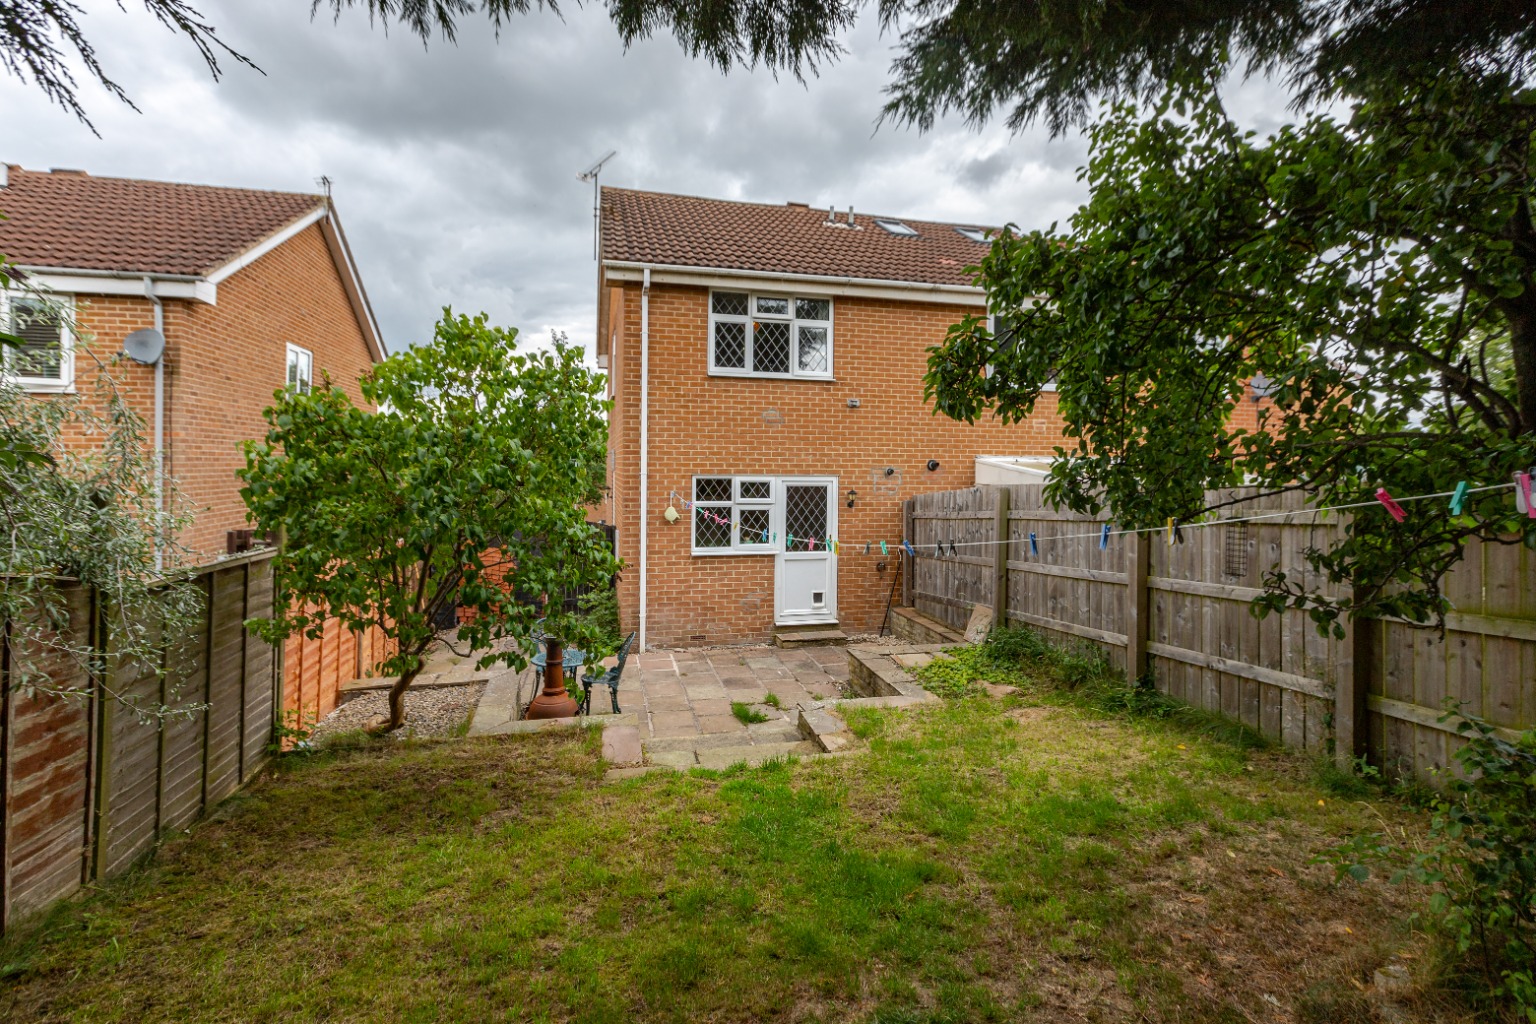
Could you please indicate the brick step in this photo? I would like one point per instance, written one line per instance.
(818, 637)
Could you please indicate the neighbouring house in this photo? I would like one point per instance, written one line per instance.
(766, 368)
(252, 291)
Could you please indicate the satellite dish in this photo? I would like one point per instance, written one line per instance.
(144, 346)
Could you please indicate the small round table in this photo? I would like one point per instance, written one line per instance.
(573, 659)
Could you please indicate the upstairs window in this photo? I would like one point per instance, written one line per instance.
(301, 369)
(45, 360)
(1005, 333)
(754, 335)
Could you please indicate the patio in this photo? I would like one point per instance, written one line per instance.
(676, 705)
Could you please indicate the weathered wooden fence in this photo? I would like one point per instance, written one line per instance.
(1181, 611)
(89, 786)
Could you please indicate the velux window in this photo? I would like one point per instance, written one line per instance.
(732, 515)
(769, 335)
(44, 361)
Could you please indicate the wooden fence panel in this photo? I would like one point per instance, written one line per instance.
(947, 585)
(1486, 660)
(181, 771)
(1188, 604)
(45, 760)
(1069, 588)
(225, 684)
(90, 786)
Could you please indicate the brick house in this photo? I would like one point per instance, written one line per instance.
(252, 290)
(766, 367)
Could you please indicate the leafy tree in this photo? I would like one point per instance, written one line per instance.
(1050, 57)
(1365, 267)
(80, 513)
(467, 485)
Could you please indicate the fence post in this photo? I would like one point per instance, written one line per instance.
(1350, 687)
(1137, 567)
(906, 560)
(1000, 529)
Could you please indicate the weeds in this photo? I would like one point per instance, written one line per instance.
(1481, 857)
(746, 714)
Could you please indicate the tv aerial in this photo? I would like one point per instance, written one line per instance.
(591, 174)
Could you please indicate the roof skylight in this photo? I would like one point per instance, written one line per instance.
(975, 234)
(896, 227)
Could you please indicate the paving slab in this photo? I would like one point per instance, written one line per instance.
(674, 758)
(720, 723)
(673, 723)
(621, 745)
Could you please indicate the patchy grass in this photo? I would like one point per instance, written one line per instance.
(746, 714)
(772, 700)
(1032, 858)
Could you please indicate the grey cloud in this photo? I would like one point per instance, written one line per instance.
(454, 166)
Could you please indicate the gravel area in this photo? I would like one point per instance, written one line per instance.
(428, 713)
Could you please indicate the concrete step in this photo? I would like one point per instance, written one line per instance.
(819, 637)
(721, 757)
(826, 730)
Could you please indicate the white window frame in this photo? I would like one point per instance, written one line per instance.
(308, 361)
(794, 322)
(738, 503)
(64, 383)
(988, 370)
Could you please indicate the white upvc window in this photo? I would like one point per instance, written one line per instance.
(787, 336)
(733, 515)
(301, 369)
(1009, 339)
(45, 361)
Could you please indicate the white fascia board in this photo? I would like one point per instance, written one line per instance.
(265, 246)
(863, 287)
(104, 282)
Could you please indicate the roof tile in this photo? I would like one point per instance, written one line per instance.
(71, 220)
(685, 231)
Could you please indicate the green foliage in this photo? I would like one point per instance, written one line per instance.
(773, 701)
(598, 615)
(1074, 673)
(77, 493)
(1480, 859)
(746, 714)
(1364, 267)
(468, 485)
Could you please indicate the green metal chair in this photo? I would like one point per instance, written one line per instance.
(609, 679)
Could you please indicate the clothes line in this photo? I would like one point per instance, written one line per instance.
(1522, 486)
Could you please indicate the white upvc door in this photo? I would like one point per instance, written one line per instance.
(806, 578)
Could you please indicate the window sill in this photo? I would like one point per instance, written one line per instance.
(722, 552)
(748, 375)
(43, 387)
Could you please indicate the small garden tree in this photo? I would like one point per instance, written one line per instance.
(467, 486)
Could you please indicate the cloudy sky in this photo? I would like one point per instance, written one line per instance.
(454, 167)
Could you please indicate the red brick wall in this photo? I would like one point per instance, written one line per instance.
(223, 363)
(721, 425)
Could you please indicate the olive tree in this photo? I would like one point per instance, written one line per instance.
(466, 487)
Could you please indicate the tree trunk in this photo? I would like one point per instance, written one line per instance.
(397, 697)
(1522, 344)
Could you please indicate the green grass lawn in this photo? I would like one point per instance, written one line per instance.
(984, 859)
